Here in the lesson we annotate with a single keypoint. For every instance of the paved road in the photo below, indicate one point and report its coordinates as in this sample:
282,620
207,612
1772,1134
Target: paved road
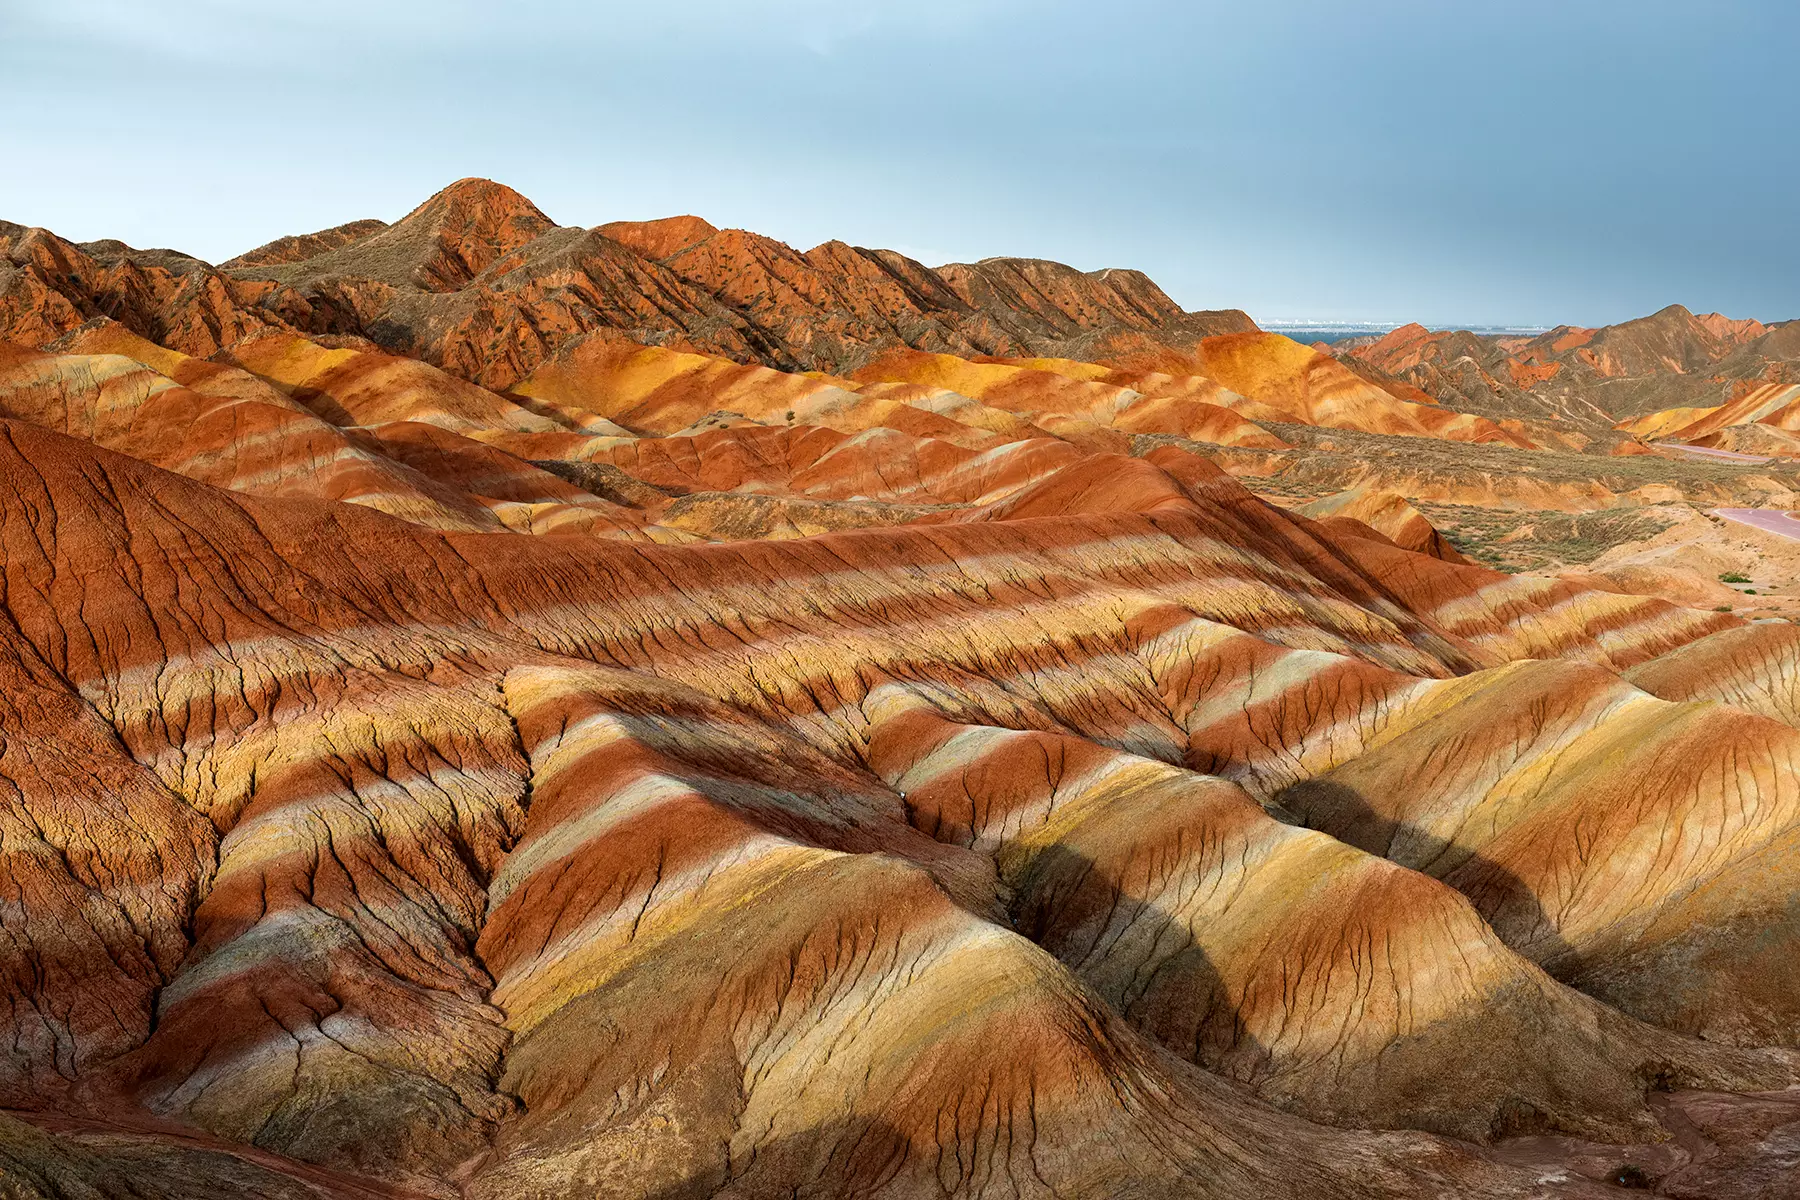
1772,520
1709,452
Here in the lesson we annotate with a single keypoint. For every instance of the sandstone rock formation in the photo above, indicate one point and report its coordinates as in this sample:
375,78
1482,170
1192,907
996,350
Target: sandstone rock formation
480,722
1591,377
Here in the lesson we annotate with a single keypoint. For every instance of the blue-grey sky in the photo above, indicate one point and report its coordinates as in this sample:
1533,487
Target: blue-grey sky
1452,161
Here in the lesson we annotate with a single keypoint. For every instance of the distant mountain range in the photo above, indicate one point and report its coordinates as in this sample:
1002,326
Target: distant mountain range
1590,377
480,282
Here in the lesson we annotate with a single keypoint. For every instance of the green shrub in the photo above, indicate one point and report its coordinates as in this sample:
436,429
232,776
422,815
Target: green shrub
1733,577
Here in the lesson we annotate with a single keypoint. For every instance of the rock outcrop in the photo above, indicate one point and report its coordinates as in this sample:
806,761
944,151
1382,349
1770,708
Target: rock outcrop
1590,378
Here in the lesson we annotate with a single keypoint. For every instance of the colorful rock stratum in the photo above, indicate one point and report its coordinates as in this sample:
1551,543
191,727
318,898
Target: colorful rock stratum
495,710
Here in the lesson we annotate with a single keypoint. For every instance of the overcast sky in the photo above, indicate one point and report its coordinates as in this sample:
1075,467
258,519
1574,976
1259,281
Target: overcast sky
1455,162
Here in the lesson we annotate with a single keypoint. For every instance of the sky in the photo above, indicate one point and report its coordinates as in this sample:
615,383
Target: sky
1457,162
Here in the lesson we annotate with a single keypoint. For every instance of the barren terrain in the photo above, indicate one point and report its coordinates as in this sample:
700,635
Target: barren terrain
497,709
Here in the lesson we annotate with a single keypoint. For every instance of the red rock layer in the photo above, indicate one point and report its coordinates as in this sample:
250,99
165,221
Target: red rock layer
1591,378
479,282
477,722
454,850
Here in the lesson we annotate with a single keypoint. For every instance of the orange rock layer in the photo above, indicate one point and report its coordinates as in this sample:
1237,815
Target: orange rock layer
585,767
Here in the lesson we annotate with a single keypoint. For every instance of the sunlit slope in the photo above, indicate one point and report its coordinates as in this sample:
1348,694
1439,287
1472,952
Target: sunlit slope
479,804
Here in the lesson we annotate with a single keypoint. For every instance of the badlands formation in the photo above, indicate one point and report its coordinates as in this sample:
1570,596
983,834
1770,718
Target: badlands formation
495,709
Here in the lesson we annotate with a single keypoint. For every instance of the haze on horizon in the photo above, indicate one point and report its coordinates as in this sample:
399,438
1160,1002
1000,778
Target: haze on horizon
1528,164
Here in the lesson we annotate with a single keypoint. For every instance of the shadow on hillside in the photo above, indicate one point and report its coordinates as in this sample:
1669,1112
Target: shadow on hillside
1505,902
1144,962
1004,1153
846,1158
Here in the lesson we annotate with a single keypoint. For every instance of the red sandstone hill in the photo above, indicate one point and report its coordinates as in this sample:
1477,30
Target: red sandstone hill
476,723
1588,376
477,280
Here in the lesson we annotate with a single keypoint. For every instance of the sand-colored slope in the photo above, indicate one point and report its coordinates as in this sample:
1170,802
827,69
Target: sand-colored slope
1316,389
1755,668
1333,981
232,433
1261,376
522,496
1014,388
1388,515
361,387
1772,404
660,391
1044,390
1194,420
1756,439
1532,616
1613,837
879,463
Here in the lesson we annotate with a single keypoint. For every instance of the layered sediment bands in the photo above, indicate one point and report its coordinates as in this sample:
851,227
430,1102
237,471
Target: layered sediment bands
878,464
102,866
361,387
1512,617
1774,406
497,709
838,1034
642,793
284,415
90,1160
523,496
1207,395
1640,850
228,429
906,839
1336,983
1315,389
1754,667
662,391
1389,516
790,1061
330,1007
468,839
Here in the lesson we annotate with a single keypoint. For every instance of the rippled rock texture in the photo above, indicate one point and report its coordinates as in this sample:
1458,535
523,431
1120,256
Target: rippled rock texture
477,723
